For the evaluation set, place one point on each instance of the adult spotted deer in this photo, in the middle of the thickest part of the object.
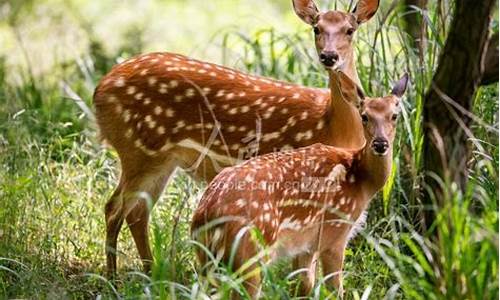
(334, 31)
(161, 111)
(305, 202)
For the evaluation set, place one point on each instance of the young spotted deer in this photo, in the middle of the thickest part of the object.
(161, 111)
(305, 202)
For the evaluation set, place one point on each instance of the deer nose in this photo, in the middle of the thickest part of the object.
(380, 146)
(328, 58)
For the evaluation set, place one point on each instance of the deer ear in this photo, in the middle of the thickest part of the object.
(400, 87)
(350, 90)
(365, 9)
(306, 10)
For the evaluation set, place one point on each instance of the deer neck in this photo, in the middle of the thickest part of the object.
(346, 129)
(374, 169)
(350, 68)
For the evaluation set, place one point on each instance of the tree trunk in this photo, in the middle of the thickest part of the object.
(415, 25)
(446, 147)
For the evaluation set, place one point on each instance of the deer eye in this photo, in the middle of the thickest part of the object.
(316, 30)
(350, 31)
(364, 118)
(394, 117)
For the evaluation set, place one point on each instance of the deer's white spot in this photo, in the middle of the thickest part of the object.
(249, 178)
(220, 93)
(173, 84)
(139, 96)
(126, 116)
(189, 93)
(169, 112)
(120, 82)
(131, 89)
(138, 143)
(270, 136)
(320, 125)
(229, 96)
(206, 90)
(160, 130)
(296, 96)
(284, 110)
(152, 80)
(245, 109)
(232, 111)
(241, 203)
(304, 135)
(163, 89)
(111, 99)
(178, 98)
(158, 110)
(129, 133)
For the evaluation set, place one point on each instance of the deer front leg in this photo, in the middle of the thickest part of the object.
(308, 261)
(332, 261)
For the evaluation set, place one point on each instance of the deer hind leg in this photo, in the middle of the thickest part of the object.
(309, 262)
(141, 182)
(114, 221)
(144, 192)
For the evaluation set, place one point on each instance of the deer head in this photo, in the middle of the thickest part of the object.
(334, 31)
(379, 116)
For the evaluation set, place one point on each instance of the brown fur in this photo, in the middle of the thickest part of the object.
(303, 201)
(134, 105)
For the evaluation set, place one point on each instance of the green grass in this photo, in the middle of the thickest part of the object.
(55, 178)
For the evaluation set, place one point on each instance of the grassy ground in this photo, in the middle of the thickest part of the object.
(55, 178)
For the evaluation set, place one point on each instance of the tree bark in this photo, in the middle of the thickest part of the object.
(446, 149)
